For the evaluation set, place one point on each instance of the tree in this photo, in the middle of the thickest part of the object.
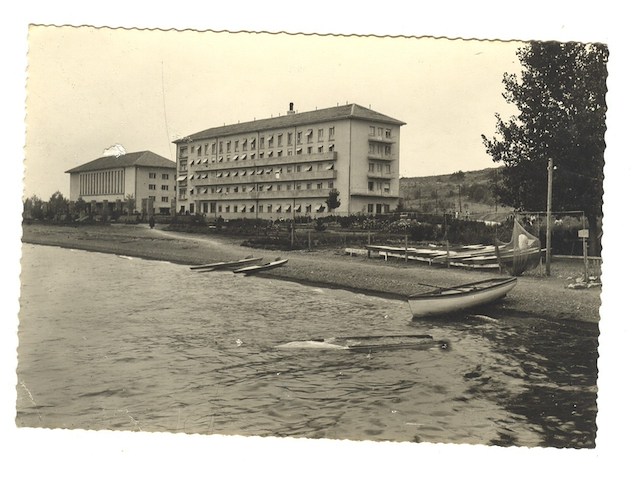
(33, 208)
(560, 95)
(58, 206)
(332, 201)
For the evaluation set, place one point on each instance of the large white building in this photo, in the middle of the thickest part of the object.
(144, 178)
(278, 167)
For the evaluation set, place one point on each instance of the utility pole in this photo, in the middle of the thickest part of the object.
(549, 189)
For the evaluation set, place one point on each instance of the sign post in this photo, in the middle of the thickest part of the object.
(584, 235)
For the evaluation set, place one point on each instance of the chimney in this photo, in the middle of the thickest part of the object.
(290, 112)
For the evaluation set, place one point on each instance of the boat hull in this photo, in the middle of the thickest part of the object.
(460, 298)
(226, 264)
(261, 267)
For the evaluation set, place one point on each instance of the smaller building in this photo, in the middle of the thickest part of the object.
(141, 182)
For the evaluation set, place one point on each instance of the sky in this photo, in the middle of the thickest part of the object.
(90, 88)
(66, 99)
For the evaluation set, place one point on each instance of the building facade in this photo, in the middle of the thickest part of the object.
(279, 167)
(140, 182)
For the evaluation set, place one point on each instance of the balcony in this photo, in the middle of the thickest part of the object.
(383, 139)
(377, 193)
(380, 156)
(380, 175)
(272, 177)
(266, 161)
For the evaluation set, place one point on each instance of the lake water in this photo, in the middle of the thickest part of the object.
(109, 342)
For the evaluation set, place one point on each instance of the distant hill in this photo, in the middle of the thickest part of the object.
(469, 193)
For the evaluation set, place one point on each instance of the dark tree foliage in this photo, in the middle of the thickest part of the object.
(560, 96)
(332, 201)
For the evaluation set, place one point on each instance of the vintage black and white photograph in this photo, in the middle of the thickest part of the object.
(363, 238)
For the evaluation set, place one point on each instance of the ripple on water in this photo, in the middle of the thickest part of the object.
(165, 349)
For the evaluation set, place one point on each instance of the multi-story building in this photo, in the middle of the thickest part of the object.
(141, 181)
(279, 167)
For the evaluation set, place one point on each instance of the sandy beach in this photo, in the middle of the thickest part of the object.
(535, 295)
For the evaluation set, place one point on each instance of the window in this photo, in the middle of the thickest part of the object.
(253, 143)
(235, 208)
(193, 148)
(309, 135)
(320, 134)
(319, 186)
(387, 168)
(379, 167)
(270, 142)
(330, 185)
(332, 132)
(288, 186)
(372, 148)
(206, 148)
(331, 147)
(165, 199)
(308, 186)
(372, 167)
(269, 208)
(371, 186)
(387, 133)
(228, 146)
(372, 131)
(310, 149)
(387, 150)
(289, 139)
(199, 150)
(152, 187)
(299, 137)
(262, 142)
(298, 168)
(152, 175)
(370, 208)
(387, 187)
(280, 139)
(320, 148)
(165, 187)
(279, 187)
(227, 208)
(152, 198)
(165, 176)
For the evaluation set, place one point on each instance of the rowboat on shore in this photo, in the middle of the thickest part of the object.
(442, 301)
(261, 267)
(226, 264)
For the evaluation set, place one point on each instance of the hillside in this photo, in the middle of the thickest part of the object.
(467, 192)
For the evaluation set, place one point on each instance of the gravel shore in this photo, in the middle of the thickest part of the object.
(535, 295)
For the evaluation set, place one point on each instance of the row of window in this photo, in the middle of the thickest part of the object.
(163, 199)
(378, 208)
(380, 150)
(260, 171)
(162, 187)
(286, 208)
(202, 190)
(381, 132)
(101, 183)
(268, 141)
(165, 176)
(252, 156)
(383, 186)
(379, 167)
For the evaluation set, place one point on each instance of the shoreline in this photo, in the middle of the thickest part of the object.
(534, 296)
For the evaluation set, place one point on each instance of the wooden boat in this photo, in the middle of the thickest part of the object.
(261, 267)
(226, 264)
(443, 301)
(368, 343)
